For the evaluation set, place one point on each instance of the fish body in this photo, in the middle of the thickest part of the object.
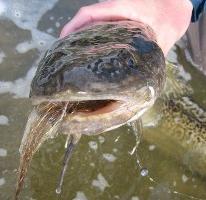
(180, 128)
(90, 82)
(103, 77)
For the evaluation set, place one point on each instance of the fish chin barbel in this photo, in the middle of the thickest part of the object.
(93, 81)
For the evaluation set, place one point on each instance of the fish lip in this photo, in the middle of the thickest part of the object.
(132, 96)
(129, 109)
(93, 124)
(114, 105)
(119, 103)
(39, 100)
(123, 100)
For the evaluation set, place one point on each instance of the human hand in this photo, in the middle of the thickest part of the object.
(169, 19)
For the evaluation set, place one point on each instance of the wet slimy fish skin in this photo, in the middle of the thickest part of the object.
(93, 81)
(181, 132)
(89, 83)
(179, 123)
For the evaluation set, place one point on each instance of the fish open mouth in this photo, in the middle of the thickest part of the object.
(83, 108)
(93, 115)
(93, 107)
(89, 117)
(73, 118)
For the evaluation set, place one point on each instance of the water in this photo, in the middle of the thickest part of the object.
(101, 167)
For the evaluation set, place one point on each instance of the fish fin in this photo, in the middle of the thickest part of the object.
(70, 144)
(38, 129)
(176, 84)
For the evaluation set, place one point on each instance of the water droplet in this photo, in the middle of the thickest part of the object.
(138, 162)
(17, 13)
(51, 17)
(41, 43)
(144, 172)
(58, 190)
(57, 24)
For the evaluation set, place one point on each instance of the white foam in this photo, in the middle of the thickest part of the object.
(3, 152)
(28, 19)
(109, 157)
(101, 183)
(2, 56)
(57, 24)
(80, 196)
(135, 198)
(115, 150)
(24, 17)
(51, 18)
(2, 181)
(2, 7)
(152, 147)
(92, 164)
(20, 87)
(93, 145)
(4, 120)
(50, 30)
(24, 46)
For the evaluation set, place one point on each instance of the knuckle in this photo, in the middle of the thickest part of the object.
(83, 10)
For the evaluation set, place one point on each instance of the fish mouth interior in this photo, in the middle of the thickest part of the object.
(91, 107)
(84, 108)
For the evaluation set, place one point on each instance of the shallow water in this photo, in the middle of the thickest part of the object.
(101, 166)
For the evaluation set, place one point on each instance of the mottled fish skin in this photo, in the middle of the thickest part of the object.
(181, 130)
(108, 61)
(114, 58)
(186, 124)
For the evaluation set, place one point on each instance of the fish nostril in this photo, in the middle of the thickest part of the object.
(131, 63)
(52, 70)
(112, 60)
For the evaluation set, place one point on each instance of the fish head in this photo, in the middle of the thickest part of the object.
(107, 74)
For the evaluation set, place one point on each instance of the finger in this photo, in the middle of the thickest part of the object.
(104, 11)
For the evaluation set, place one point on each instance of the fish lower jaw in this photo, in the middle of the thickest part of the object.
(118, 114)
